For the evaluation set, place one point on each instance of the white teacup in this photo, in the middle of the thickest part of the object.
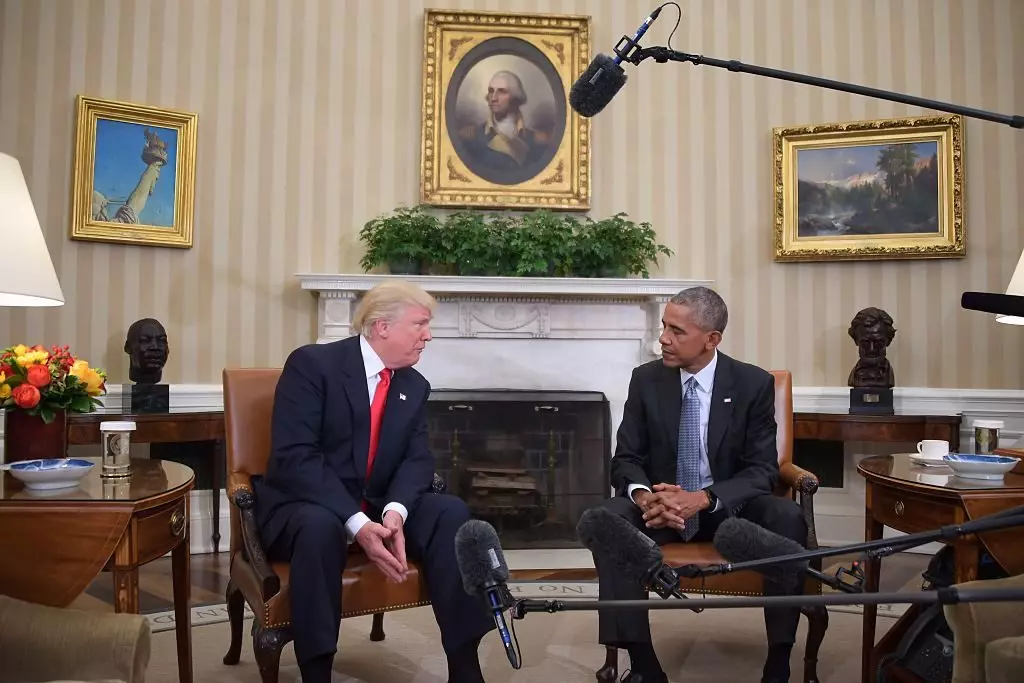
(933, 448)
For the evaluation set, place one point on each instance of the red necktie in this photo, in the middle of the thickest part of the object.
(380, 396)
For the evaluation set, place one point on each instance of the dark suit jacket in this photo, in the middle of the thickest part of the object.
(320, 436)
(741, 437)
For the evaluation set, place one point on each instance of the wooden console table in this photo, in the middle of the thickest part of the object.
(910, 498)
(54, 543)
(901, 427)
(203, 427)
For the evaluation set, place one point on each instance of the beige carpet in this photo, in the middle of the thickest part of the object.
(712, 647)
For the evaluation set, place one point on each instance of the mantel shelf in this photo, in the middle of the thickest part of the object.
(522, 286)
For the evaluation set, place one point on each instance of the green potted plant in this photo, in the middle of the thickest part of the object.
(619, 247)
(405, 241)
(475, 243)
(543, 244)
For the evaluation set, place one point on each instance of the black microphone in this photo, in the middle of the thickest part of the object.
(1001, 304)
(628, 551)
(740, 540)
(485, 573)
(596, 87)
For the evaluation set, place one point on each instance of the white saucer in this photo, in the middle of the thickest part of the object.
(928, 460)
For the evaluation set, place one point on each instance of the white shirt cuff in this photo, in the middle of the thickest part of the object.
(633, 487)
(354, 523)
(397, 507)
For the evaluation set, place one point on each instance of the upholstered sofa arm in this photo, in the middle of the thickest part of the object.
(41, 643)
(241, 495)
(987, 634)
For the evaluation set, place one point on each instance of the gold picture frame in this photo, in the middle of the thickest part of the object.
(133, 178)
(870, 190)
(536, 155)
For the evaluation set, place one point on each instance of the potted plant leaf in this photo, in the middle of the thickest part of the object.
(405, 241)
(620, 247)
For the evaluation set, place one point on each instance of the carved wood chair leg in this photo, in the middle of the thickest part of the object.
(817, 624)
(267, 644)
(236, 614)
(610, 671)
(377, 627)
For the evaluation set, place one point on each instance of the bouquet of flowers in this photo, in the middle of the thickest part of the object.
(42, 382)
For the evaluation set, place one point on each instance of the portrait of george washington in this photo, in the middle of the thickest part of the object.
(506, 110)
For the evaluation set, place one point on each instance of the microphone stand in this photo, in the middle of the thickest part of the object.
(877, 549)
(943, 596)
(634, 54)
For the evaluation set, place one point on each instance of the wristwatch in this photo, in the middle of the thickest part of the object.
(712, 499)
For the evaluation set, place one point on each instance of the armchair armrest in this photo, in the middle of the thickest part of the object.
(798, 479)
(805, 484)
(241, 495)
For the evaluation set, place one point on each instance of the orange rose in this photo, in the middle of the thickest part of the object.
(25, 396)
(38, 376)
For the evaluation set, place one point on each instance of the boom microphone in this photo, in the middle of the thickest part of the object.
(740, 540)
(1000, 304)
(596, 87)
(485, 573)
(628, 551)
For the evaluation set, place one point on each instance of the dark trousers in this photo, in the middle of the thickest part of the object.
(315, 543)
(620, 628)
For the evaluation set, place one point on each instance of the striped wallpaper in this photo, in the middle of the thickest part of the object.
(309, 122)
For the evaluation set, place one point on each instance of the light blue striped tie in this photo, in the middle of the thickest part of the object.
(688, 450)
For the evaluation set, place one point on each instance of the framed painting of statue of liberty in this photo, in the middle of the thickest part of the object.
(497, 127)
(870, 190)
(134, 171)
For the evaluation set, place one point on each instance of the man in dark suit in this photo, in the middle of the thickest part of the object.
(697, 443)
(350, 462)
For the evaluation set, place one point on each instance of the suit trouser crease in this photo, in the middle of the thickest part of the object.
(314, 541)
(620, 628)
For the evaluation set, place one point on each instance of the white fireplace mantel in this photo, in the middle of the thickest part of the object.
(544, 333)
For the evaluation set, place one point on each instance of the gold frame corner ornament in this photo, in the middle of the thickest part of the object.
(88, 111)
(947, 131)
(445, 178)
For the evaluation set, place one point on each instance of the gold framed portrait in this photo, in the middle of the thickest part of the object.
(497, 127)
(133, 178)
(870, 190)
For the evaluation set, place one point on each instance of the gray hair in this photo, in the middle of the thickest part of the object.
(707, 306)
(515, 86)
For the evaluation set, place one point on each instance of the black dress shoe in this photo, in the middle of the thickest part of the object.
(635, 677)
(775, 680)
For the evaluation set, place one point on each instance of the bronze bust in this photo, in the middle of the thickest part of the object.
(872, 330)
(146, 346)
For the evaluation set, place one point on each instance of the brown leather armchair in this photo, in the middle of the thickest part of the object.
(794, 482)
(248, 403)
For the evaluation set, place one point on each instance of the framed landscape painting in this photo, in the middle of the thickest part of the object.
(882, 189)
(133, 180)
(497, 128)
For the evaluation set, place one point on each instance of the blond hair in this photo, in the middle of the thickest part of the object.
(386, 302)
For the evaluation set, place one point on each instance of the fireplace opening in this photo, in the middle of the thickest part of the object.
(527, 462)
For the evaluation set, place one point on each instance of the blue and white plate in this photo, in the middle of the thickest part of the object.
(52, 473)
(977, 466)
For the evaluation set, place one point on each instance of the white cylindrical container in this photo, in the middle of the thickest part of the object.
(986, 435)
(117, 441)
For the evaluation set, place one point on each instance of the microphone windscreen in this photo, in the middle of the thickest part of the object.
(479, 557)
(613, 540)
(1000, 304)
(596, 87)
(740, 540)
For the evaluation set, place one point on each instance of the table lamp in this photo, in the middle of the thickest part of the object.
(27, 277)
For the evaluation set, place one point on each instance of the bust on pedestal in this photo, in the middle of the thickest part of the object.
(872, 378)
(146, 346)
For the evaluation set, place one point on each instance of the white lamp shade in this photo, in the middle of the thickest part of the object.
(1015, 288)
(27, 277)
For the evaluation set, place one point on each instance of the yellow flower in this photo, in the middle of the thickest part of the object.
(5, 390)
(33, 358)
(92, 380)
(20, 350)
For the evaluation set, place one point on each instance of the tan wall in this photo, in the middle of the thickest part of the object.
(308, 126)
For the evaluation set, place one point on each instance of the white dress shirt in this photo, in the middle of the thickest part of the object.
(705, 386)
(373, 365)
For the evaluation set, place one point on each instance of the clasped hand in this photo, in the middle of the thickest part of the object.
(670, 506)
(384, 544)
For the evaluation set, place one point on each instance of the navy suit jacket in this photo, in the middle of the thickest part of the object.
(320, 438)
(741, 439)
